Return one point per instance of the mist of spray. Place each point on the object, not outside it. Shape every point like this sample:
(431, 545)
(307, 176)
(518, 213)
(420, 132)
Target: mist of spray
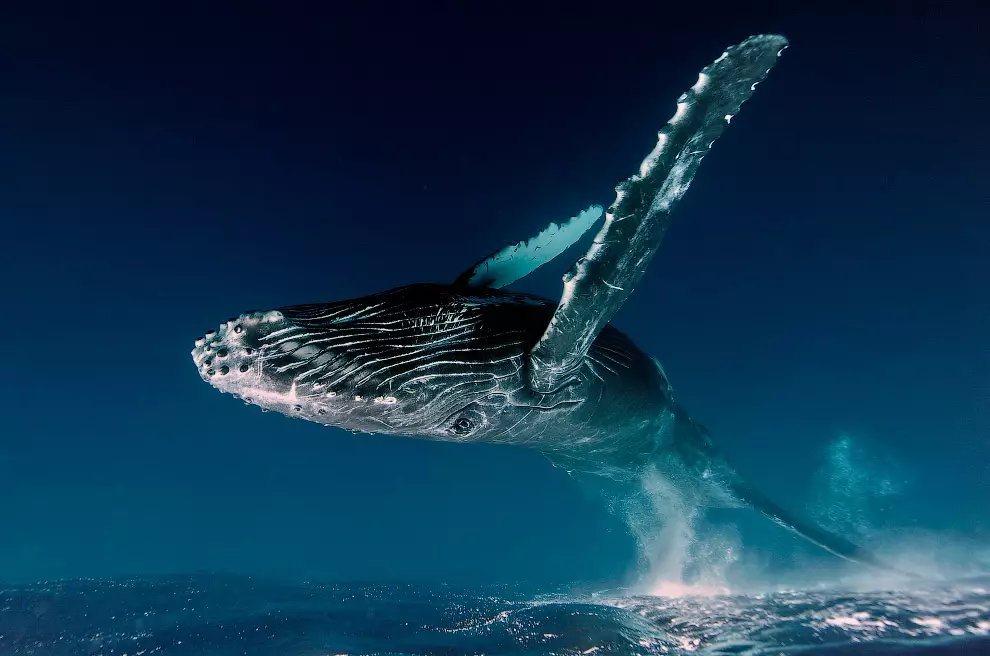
(853, 494)
(853, 487)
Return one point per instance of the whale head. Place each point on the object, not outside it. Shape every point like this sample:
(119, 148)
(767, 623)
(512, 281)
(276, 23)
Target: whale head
(423, 361)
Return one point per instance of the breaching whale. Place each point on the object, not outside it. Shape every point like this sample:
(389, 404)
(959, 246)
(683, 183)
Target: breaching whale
(471, 362)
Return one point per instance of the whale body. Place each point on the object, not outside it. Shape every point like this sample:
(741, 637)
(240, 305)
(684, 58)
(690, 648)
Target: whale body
(471, 361)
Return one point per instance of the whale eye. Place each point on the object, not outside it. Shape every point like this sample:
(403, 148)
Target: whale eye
(466, 422)
(463, 426)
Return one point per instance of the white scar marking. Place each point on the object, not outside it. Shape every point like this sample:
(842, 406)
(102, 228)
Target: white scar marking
(644, 169)
(702, 81)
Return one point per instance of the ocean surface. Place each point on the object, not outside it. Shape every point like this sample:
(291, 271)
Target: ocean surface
(226, 615)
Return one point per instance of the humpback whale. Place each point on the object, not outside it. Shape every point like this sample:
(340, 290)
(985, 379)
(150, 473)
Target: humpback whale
(470, 361)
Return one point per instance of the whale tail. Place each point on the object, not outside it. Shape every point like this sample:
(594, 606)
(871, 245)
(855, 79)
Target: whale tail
(697, 449)
(753, 498)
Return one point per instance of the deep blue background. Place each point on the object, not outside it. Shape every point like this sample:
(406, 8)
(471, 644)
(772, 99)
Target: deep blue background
(160, 172)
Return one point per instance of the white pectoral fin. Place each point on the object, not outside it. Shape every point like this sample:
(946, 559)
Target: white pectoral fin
(521, 258)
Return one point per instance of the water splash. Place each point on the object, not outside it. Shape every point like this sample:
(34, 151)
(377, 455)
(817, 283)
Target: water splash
(680, 554)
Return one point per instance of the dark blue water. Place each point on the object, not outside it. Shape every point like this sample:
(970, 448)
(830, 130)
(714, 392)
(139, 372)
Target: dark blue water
(221, 615)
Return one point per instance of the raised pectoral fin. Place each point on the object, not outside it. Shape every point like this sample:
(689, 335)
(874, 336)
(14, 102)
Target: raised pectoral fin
(600, 282)
(519, 259)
